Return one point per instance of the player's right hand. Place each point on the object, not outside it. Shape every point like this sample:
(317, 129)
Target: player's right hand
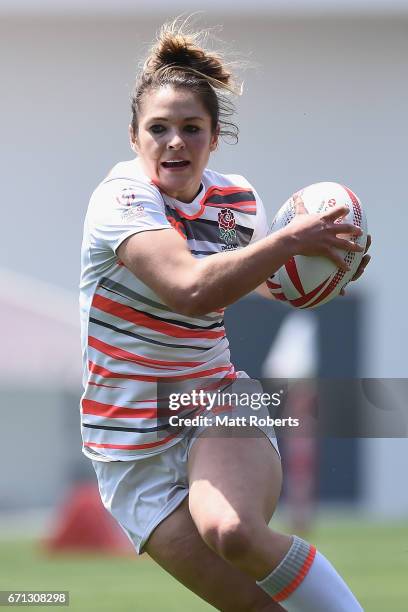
(318, 234)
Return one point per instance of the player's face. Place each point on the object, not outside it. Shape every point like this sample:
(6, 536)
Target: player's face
(174, 140)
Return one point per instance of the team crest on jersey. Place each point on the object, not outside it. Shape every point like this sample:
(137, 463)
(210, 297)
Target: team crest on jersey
(228, 233)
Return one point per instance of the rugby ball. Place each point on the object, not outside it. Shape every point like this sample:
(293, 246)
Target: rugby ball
(307, 282)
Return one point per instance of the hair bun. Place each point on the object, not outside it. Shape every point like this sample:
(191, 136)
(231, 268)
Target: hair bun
(177, 47)
(174, 50)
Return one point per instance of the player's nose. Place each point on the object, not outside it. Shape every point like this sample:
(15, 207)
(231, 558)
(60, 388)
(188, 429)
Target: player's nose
(175, 141)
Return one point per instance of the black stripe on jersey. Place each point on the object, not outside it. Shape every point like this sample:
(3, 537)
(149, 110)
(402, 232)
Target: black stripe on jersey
(123, 291)
(194, 252)
(246, 231)
(182, 323)
(145, 339)
(232, 198)
(209, 231)
(177, 322)
(132, 429)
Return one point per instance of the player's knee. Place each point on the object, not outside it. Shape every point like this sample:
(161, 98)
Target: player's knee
(230, 537)
(235, 542)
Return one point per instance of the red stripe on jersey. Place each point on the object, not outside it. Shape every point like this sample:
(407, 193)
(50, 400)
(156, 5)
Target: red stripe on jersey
(245, 206)
(117, 353)
(201, 374)
(294, 275)
(219, 190)
(284, 594)
(105, 373)
(110, 411)
(131, 446)
(217, 384)
(133, 316)
(196, 215)
(220, 382)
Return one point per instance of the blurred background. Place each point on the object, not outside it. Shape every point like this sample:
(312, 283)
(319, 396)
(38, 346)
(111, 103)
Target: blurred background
(324, 100)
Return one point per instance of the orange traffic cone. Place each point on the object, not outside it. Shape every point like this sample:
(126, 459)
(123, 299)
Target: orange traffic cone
(83, 525)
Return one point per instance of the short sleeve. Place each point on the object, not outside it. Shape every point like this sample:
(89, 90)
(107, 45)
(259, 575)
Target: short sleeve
(121, 207)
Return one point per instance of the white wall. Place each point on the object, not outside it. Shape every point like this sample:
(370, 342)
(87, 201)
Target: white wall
(326, 102)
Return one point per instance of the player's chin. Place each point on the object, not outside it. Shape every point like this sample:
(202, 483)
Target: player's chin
(179, 180)
(174, 183)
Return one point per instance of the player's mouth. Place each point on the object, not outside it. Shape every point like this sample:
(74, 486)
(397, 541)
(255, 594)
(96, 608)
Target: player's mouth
(175, 164)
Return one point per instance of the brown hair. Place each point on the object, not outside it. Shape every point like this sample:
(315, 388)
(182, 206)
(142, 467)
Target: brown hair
(178, 59)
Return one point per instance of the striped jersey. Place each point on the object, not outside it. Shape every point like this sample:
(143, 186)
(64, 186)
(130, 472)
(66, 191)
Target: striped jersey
(132, 341)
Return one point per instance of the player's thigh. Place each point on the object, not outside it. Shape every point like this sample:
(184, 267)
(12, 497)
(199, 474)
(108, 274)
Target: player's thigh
(233, 475)
(178, 548)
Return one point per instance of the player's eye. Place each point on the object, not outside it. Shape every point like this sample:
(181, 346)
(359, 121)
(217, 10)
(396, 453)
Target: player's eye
(157, 128)
(191, 129)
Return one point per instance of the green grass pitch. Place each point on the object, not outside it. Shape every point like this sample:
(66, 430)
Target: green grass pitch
(373, 558)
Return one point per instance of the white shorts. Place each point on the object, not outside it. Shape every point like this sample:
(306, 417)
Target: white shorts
(140, 494)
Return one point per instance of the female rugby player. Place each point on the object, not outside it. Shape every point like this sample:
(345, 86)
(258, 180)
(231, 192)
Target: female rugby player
(168, 244)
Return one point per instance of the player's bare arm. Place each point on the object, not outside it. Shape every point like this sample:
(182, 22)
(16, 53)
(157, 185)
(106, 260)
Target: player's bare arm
(193, 286)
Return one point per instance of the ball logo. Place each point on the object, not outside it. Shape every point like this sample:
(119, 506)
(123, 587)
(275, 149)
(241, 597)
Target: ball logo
(226, 224)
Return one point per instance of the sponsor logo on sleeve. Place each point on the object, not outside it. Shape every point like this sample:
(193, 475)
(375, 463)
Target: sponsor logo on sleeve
(132, 209)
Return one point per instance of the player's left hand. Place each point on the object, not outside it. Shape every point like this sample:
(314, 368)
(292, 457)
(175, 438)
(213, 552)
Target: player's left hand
(363, 263)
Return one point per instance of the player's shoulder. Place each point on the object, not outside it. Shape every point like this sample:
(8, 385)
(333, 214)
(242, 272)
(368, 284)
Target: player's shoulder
(126, 180)
(227, 180)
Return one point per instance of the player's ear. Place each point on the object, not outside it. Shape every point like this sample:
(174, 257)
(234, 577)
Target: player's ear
(132, 139)
(214, 138)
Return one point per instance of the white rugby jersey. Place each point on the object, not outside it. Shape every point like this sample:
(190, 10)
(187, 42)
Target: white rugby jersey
(130, 339)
